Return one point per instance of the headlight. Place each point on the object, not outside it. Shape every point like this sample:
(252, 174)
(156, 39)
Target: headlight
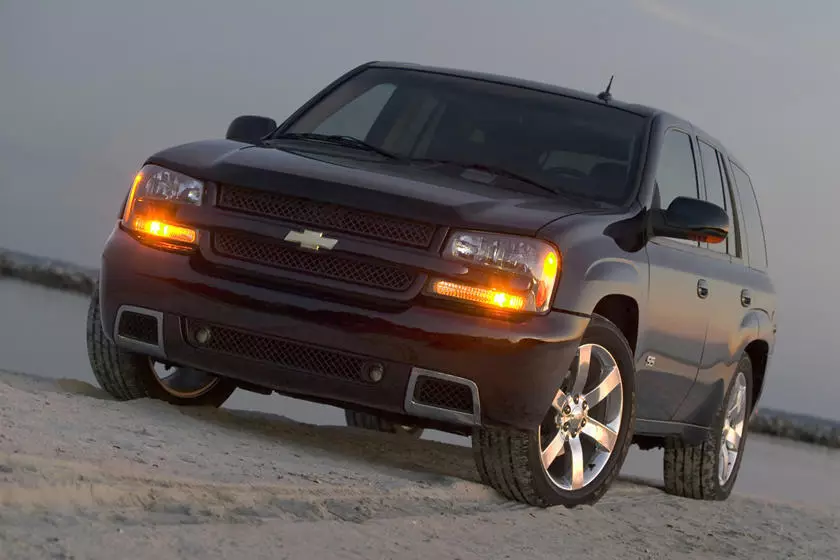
(153, 202)
(520, 273)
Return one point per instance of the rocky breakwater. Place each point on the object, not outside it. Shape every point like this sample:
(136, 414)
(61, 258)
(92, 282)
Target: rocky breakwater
(787, 425)
(47, 272)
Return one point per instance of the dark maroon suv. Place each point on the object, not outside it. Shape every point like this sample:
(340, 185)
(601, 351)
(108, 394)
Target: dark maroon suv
(556, 274)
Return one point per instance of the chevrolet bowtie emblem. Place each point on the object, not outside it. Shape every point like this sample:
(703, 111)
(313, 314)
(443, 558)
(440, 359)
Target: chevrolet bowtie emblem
(309, 239)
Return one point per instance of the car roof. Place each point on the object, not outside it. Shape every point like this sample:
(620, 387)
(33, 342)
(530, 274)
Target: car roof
(518, 82)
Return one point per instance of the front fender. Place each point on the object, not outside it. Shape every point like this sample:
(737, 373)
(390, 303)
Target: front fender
(594, 266)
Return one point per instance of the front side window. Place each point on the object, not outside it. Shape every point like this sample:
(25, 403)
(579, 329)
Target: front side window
(570, 145)
(676, 174)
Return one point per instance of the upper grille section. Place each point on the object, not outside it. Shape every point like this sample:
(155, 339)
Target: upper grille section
(326, 215)
(326, 265)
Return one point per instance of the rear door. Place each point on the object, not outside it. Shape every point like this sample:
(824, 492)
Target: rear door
(756, 282)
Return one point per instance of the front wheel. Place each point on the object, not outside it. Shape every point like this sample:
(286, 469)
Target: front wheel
(129, 375)
(707, 471)
(573, 457)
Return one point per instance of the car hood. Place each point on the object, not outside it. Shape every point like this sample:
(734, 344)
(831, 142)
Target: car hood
(353, 178)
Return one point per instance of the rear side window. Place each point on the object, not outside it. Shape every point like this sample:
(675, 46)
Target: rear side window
(756, 247)
(717, 192)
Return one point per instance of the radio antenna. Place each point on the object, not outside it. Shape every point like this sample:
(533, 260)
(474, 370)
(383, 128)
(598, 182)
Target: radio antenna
(605, 95)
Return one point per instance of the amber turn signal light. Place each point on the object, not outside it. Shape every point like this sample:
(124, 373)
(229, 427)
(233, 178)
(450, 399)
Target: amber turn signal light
(163, 230)
(483, 296)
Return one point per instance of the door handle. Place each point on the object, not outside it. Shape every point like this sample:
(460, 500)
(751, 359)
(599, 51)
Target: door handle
(702, 289)
(746, 298)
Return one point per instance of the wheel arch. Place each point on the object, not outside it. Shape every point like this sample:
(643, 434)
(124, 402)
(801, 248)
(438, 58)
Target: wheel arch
(623, 311)
(613, 288)
(758, 351)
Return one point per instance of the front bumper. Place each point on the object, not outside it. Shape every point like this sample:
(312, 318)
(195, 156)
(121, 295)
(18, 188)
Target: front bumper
(322, 350)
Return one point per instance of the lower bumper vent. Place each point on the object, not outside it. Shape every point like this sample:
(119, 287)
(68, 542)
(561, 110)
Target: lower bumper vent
(276, 351)
(452, 399)
(443, 394)
(138, 326)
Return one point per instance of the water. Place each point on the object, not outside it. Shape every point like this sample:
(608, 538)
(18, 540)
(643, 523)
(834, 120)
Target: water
(42, 332)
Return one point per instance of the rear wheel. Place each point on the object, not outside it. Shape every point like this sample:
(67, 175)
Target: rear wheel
(128, 375)
(573, 457)
(372, 422)
(707, 471)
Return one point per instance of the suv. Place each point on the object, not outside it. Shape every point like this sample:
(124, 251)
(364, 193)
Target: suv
(554, 273)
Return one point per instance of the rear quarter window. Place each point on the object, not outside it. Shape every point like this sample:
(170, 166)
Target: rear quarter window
(756, 244)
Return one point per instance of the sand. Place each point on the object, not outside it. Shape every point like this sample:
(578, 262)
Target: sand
(83, 476)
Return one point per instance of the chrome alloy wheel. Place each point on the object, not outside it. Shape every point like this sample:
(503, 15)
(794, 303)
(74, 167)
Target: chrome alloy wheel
(185, 383)
(733, 428)
(591, 407)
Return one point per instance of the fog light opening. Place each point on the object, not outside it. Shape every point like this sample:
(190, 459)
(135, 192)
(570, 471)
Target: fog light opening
(203, 335)
(375, 372)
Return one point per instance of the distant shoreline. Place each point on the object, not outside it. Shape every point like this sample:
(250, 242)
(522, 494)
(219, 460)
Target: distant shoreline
(80, 280)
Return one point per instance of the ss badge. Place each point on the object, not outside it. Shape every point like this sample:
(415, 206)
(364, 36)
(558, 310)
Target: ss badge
(650, 361)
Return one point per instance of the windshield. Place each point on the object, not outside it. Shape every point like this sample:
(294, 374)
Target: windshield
(566, 144)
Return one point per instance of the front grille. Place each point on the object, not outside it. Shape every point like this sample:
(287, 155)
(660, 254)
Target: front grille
(278, 352)
(327, 265)
(326, 215)
(441, 393)
(138, 326)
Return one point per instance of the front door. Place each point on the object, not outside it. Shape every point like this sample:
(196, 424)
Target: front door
(671, 342)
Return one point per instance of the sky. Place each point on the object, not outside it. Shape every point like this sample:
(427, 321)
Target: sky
(89, 88)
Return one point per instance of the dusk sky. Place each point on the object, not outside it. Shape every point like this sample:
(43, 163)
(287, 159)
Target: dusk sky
(89, 88)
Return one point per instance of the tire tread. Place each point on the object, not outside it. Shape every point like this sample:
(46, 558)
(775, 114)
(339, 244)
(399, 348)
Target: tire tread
(129, 376)
(689, 471)
(115, 373)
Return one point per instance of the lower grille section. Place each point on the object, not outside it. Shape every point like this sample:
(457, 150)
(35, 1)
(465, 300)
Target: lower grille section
(276, 351)
(325, 265)
(443, 394)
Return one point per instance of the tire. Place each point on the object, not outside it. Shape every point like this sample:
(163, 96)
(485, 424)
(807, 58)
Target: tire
(372, 422)
(692, 471)
(510, 461)
(129, 375)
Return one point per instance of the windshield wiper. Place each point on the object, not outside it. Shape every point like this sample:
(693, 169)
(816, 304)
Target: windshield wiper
(495, 170)
(339, 139)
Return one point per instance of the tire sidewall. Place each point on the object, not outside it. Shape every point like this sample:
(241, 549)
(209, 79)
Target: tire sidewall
(723, 491)
(214, 397)
(602, 332)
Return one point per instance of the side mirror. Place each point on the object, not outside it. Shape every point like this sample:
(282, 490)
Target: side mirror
(250, 128)
(694, 219)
